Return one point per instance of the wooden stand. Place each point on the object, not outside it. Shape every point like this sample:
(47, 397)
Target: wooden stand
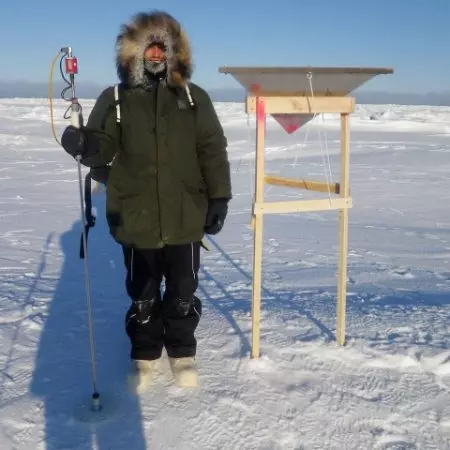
(261, 101)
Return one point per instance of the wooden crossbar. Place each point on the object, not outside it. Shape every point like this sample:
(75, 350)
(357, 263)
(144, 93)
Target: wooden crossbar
(292, 206)
(302, 105)
(301, 183)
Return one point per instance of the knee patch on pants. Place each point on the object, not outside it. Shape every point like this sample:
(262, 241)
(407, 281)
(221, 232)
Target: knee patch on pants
(182, 288)
(182, 307)
(144, 310)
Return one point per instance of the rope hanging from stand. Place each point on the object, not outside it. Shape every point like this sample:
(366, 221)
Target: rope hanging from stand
(324, 150)
(329, 179)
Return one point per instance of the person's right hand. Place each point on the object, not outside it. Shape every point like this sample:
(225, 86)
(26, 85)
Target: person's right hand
(73, 141)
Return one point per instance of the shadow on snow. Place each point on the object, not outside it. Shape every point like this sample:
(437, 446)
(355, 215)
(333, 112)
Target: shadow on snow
(62, 377)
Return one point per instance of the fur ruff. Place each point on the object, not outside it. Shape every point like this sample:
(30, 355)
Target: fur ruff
(136, 36)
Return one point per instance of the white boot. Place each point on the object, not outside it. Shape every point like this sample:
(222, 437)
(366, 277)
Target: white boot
(185, 371)
(142, 374)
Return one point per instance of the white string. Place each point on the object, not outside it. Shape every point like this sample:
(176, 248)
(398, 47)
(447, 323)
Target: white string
(330, 172)
(309, 76)
(248, 139)
(305, 140)
(251, 169)
(286, 158)
(250, 161)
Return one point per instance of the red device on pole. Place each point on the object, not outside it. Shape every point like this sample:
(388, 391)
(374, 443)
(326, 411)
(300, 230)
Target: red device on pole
(71, 65)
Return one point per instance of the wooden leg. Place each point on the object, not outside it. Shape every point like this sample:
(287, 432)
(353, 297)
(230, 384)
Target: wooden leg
(258, 228)
(342, 281)
(343, 231)
(256, 297)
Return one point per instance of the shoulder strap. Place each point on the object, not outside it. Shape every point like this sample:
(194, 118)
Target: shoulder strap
(117, 103)
(117, 88)
(189, 96)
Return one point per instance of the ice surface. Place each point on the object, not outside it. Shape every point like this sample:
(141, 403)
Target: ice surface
(389, 388)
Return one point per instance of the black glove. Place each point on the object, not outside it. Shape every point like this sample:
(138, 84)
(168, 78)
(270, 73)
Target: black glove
(74, 141)
(100, 174)
(217, 212)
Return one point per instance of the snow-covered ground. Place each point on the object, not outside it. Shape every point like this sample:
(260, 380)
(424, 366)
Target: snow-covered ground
(389, 388)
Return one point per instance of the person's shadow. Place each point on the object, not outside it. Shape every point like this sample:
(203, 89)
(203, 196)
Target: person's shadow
(62, 376)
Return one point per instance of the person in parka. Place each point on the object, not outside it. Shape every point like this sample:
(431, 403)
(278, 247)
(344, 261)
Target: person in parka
(168, 184)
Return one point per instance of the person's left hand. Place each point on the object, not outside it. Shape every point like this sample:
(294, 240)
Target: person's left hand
(217, 213)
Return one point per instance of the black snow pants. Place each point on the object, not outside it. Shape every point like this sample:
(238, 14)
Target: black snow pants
(155, 321)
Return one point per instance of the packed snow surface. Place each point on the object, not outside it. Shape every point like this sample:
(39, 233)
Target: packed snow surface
(388, 388)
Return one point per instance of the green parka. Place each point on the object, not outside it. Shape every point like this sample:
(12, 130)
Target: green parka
(169, 159)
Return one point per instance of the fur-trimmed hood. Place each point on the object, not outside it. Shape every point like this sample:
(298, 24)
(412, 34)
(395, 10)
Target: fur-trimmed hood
(136, 36)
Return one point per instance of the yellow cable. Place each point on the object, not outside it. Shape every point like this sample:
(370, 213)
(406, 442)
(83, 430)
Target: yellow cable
(50, 94)
(50, 98)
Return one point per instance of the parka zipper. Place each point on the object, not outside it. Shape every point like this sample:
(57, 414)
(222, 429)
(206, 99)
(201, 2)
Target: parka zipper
(157, 93)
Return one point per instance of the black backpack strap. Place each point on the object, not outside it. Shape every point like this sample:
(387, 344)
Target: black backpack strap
(89, 217)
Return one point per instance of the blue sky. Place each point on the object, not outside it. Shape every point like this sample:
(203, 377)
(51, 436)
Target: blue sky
(411, 36)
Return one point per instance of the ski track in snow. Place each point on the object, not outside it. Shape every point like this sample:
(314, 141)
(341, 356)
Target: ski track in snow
(388, 388)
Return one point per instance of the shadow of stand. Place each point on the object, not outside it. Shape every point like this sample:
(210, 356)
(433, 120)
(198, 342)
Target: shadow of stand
(245, 344)
(62, 377)
(278, 301)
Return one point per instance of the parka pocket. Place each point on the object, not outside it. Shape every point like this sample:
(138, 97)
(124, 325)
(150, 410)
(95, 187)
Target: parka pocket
(137, 215)
(195, 205)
